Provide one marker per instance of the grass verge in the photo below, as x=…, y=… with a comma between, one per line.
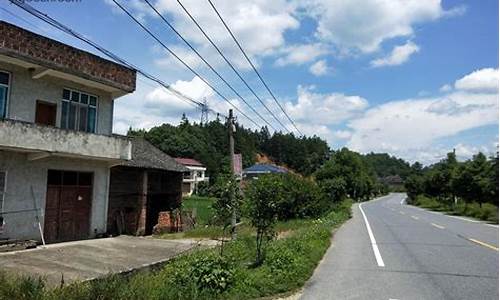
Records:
x=486, y=212
x=204, y=274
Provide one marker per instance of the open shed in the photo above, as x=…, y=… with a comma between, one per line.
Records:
x=143, y=189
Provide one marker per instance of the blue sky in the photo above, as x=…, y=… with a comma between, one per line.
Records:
x=414, y=78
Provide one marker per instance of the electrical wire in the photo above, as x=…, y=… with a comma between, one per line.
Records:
x=183, y=62
x=253, y=66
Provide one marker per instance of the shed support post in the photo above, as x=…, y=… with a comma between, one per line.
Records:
x=143, y=204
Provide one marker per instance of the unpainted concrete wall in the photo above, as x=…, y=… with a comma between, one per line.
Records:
x=24, y=91
x=23, y=174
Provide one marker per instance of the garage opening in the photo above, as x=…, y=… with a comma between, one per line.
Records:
x=68, y=205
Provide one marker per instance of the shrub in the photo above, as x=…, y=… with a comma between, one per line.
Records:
x=228, y=194
x=213, y=273
x=261, y=207
x=302, y=198
x=203, y=189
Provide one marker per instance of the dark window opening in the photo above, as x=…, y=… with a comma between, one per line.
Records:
x=45, y=113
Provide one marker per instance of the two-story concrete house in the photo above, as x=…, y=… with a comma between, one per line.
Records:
x=56, y=142
x=193, y=176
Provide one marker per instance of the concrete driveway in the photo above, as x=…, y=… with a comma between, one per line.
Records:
x=83, y=260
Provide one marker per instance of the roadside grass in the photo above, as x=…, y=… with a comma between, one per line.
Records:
x=204, y=274
x=203, y=207
x=487, y=212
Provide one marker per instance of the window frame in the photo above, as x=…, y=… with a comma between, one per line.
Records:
x=78, y=105
x=9, y=88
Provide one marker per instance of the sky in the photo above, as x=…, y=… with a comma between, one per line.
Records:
x=413, y=78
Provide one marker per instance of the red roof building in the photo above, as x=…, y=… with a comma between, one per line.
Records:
x=188, y=162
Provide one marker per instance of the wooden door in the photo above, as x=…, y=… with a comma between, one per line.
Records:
x=68, y=206
x=52, y=201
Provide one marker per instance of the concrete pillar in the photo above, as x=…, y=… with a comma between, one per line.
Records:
x=143, y=203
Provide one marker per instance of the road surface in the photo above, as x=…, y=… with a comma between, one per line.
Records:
x=391, y=250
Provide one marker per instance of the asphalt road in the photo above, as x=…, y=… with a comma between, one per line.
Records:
x=415, y=254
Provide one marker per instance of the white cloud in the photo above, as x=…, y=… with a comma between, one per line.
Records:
x=259, y=25
x=151, y=106
x=399, y=55
x=139, y=8
x=321, y=108
x=324, y=109
x=364, y=24
x=319, y=68
x=342, y=134
x=445, y=88
x=484, y=80
x=410, y=128
x=415, y=123
x=300, y=54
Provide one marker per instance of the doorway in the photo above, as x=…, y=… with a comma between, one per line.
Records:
x=68, y=205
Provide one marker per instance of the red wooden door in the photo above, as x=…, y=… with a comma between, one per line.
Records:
x=68, y=206
x=52, y=213
x=82, y=207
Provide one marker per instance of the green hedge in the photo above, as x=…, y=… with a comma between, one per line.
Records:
x=486, y=211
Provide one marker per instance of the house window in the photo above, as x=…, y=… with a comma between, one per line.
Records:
x=4, y=93
x=79, y=111
x=45, y=113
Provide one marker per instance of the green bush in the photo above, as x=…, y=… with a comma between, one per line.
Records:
x=427, y=202
x=213, y=273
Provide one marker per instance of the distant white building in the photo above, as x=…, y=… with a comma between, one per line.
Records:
x=195, y=175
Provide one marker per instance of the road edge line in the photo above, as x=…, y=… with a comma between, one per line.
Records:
x=483, y=244
x=376, y=251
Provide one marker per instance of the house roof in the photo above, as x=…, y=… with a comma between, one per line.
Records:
x=145, y=155
x=264, y=168
x=188, y=162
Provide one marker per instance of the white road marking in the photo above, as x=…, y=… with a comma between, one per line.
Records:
x=414, y=217
x=437, y=226
x=376, y=252
x=403, y=213
x=464, y=219
x=402, y=201
x=492, y=225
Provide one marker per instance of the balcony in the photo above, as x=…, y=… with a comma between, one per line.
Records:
x=43, y=141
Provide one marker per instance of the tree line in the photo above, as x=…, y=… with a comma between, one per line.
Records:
x=209, y=144
x=452, y=183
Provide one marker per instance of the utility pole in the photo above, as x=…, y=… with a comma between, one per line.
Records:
x=204, y=112
x=232, y=129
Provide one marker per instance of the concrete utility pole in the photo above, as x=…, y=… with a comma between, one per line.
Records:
x=232, y=129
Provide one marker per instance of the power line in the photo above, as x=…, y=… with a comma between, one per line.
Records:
x=54, y=23
x=228, y=62
x=182, y=61
x=253, y=66
x=205, y=61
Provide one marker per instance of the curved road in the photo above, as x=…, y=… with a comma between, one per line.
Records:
x=391, y=250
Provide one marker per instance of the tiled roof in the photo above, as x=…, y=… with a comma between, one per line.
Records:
x=188, y=162
x=145, y=155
